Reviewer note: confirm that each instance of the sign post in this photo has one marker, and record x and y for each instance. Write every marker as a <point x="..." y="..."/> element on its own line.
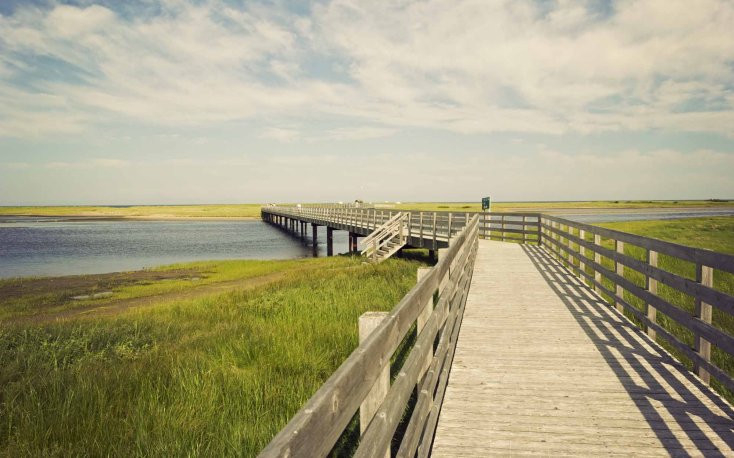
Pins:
<point x="486" y="204"/>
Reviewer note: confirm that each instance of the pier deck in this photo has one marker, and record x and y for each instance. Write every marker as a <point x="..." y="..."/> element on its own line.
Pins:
<point x="543" y="366"/>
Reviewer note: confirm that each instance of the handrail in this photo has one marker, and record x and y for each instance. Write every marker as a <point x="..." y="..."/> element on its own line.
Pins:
<point x="382" y="238"/>
<point x="315" y="429"/>
<point x="385" y="228"/>
<point x="580" y="247"/>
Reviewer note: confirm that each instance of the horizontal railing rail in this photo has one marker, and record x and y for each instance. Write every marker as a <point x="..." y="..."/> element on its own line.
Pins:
<point x="663" y="286"/>
<point x="433" y="308"/>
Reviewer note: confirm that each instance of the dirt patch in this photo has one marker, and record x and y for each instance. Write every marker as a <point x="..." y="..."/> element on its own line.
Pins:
<point x="85" y="284"/>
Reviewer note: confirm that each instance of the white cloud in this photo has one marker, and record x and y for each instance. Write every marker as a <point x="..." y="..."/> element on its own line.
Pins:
<point x="552" y="175"/>
<point x="501" y="66"/>
<point x="94" y="163"/>
<point x="466" y="66"/>
<point x="281" y="134"/>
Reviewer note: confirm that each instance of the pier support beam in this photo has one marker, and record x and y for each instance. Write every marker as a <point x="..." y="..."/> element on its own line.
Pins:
<point x="329" y="241"/>
<point x="353" y="242"/>
<point x="315" y="239"/>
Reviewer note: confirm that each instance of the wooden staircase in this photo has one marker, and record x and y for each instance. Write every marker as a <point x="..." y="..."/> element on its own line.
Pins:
<point x="386" y="240"/>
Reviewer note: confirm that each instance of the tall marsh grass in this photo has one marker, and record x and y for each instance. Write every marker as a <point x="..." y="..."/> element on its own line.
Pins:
<point x="217" y="376"/>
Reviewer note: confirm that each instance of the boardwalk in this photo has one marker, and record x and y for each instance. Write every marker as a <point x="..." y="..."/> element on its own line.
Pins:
<point x="542" y="366"/>
<point x="515" y="355"/>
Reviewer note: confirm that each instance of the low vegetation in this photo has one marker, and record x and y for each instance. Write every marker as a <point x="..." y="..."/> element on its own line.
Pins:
<point x="253" y="210"/>
<point x="210" y="376"/>
<point x="33" y="299"/>
<point x="558" y="206"/>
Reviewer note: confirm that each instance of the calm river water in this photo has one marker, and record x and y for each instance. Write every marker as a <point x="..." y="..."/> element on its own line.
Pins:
<point x="52" y="246"/>
<point x="58" y="246"/>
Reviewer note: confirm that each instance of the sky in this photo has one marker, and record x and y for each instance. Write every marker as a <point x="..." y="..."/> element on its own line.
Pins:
<point x="227" y="101"/>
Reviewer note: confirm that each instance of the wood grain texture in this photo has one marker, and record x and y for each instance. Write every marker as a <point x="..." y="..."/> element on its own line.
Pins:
<point x="544" y="367"/>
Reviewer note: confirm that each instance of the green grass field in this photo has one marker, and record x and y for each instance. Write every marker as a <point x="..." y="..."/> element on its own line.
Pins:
<point x="556" y="206"/>
<point x="212" y="376"/>
<point x="253" y="210"/>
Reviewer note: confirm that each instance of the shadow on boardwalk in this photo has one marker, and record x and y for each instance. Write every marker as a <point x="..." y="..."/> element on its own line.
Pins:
<point x="673" y="401"/>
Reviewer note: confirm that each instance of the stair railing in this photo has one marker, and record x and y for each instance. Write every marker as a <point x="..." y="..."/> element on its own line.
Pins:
<point x="384" y="234"/>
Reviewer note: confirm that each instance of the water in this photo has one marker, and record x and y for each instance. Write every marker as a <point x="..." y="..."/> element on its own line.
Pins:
<point x="32" y="246"/>
<point x="619" y="216"/>
<point x="67" y="246"/>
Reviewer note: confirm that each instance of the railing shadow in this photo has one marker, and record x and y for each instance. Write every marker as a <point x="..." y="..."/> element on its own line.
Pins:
<point x="679" y="413"/>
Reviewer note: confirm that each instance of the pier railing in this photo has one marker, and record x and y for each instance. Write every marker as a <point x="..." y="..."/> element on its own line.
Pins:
<point x="430" y="230"/>
<point x="432" y="310"/>
<point x="680" y="295"/>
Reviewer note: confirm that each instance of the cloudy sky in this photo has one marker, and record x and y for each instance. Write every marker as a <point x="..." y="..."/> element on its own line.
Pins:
<point x="205" y="101"/>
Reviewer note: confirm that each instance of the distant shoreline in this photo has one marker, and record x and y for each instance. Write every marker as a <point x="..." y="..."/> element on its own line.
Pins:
<point x="79" y="218"/>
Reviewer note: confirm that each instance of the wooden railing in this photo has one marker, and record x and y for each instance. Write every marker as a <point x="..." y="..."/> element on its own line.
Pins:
<point x="431" y="230"/>
<point x="379" y="239"/>
<point x="434" y="309"/>
<point x="666" y="288"/>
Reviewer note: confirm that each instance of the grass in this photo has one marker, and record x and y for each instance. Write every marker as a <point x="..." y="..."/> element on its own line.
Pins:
<point x="253" y="210"/>
<point x="713" y="233"/>
<point x="214" y="376"/>
<point x="556" y="206"/>
<point x="36" y="300"/>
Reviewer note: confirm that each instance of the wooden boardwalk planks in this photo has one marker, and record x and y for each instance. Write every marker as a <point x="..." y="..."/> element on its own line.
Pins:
<point x="543" y="367"/>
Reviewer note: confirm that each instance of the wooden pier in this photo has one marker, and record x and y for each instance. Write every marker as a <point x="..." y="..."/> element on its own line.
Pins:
<point x="548" y="346"/>
<point x="544" y="366"/>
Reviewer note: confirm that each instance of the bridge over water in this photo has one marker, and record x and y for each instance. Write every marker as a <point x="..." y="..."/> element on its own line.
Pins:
<point x="575" y="340"/>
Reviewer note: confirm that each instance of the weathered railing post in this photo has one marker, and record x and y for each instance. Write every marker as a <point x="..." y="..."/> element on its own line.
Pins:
<point x="401" y="235"/>
<point x="569" y="255"/>
<point x="652" y="287"/>
<point x="582" y="252"/>
<point x="449" y="228"/>
<point x="368" y="322"/>
<point x="410" y="225"/>
<point x="425" y="314"/>
<point x="540" y="230"/>
<point x="704" y="276"/>
<point x="597" y="260"/>
<point x="421" y="227"/>
<point x="619" y="269"/>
